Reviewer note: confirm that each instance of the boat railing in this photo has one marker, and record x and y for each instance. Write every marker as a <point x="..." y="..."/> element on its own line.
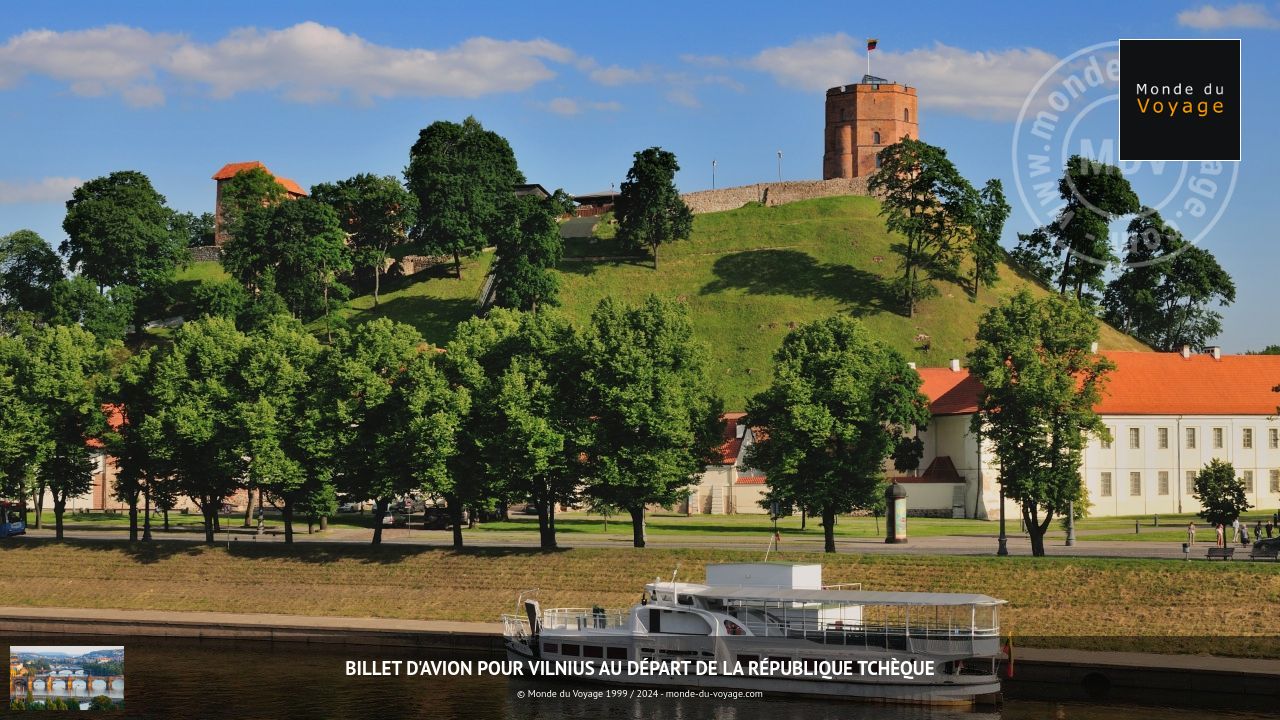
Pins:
<point x="843" y="586"/>
<point x="584" y="619"/>
<point x="878" y="635"/>
<point x="515" y="627"/>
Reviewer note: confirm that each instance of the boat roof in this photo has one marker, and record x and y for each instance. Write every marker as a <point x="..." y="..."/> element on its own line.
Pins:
<point x="844" y="597"/>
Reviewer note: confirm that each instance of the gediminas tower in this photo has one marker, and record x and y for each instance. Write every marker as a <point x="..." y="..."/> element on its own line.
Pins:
<point x="862" y="120"/>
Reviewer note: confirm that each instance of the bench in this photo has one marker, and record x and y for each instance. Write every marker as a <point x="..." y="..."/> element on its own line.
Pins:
<point x="1264" y="553"/>
<point x="1222" y="553"/>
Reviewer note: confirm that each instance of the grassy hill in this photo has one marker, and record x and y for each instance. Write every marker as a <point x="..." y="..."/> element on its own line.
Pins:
<point x="748" y="276"/>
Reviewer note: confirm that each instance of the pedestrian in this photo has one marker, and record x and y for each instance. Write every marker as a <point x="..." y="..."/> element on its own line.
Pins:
<point x="1270" y="527"/>
<point x="1257" y="531"/>
<point x="1235" y="531"/>
<point x="1221" y="532"/>
<point x="1244" y="534"/>
<point x="1191" y="534"/>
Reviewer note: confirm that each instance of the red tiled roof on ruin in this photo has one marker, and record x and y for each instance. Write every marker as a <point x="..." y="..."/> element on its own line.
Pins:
<point x="732" y="441"/>
<point x="750" y="480"/>
<point x="1146" y="383"/>
<point x="230" y="170"/>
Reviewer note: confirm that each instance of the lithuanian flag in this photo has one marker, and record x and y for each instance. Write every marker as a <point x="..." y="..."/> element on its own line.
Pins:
<point x="871" y="44"/>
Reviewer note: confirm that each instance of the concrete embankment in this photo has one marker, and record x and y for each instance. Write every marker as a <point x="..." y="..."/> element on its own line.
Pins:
<point x="1040" y="674"/>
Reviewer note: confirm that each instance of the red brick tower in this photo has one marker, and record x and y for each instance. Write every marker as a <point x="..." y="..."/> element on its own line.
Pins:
<point x="862" y="120"/>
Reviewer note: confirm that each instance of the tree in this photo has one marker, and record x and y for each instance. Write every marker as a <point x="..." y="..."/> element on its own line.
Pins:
<point x="529" y="246"/>
<point x="654" y="421"/>
<point x="376" y="213"/>
<point x="1164" y="294"/>
<point x="1268" y="350"/>
<point x="140" y="462"/>
<point x="195" y="419"/>
<point x="194" y="230"/>
<point x="841" y="403"/>
<point x="1040" y="383"/>
<point x="523" y="437"/>
<point x="64" y="374"/>
<point x="22" y="429"/>
<point x="988" y="226"/>
<point x="244" y="192"/>
<point x="462" y="175"/>
<point x="926" y="200"/>
<point x="294" y="250"/>
<point x="28" y="271"/>
<point x="1220" y="493"/>
<point x="649" y="209"/>
<point x="119" y="232"/>
<point x="77" y="301"/>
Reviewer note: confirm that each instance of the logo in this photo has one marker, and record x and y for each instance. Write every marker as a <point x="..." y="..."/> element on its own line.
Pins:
<point x="1073" y="110"/>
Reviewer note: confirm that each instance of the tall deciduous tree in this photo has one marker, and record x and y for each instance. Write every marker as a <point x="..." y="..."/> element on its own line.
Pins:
<point x="988" y="226"/>
<point x="649" y="209"/>
<point x="462" y="175"/>
<point x="195" y="230"/>
<point x="841" y="403"/>
<point x="245" y="192"/>
<point x="529" y="246"/>
<point x="376" y="213"/>
<point x="926" y="200"/>
<point x="1040" y="383"/>
<point x="654" y="421"/>
<point x="1221" y="494"/>
<point x="1166" y="293"/>
<point x="195" y="417"/>
<point x="140" y="461"/>
<point x="23" y="434"/>
<point x="119" y="232"/>
<point x="28" y="271"/>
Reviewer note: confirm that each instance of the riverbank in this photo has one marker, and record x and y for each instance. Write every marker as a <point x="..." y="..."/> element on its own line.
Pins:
<point x="1086" y="603"/>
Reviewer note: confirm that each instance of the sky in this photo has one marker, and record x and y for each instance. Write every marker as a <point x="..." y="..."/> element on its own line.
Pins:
<point x="323" y="91"/>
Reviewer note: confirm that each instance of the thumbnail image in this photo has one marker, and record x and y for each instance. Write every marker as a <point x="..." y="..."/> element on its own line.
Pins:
<point x="66" y="677"/>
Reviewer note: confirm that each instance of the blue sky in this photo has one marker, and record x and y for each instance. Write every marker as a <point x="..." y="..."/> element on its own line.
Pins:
<point x="320" y="92"/>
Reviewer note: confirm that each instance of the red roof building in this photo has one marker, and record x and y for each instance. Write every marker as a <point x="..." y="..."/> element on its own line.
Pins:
<point x="292" y="190"/>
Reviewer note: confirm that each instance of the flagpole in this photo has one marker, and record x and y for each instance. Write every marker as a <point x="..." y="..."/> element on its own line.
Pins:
<point x="868" y="61"/>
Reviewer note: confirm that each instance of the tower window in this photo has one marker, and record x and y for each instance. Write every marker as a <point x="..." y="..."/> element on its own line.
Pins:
<point x="876" y="137"/>
<point x="906" y="115"/>
<point x="879" y="161"/>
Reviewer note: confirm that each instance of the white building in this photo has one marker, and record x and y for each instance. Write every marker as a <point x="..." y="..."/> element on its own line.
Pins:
<point x="1169" y="414"/>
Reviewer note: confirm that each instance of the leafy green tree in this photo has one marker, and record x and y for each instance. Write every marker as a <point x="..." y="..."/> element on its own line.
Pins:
<point x="140" y="462"/>
<point x="317" y="502"/>
<point x="23" y="433"/>
<point x="119" y="232"/>
<point x="523" y="437"/>
<point x="1220" y="493"/>
<point x="64" y="375"/>
<point x="529" y="247"/>
<point x="462" y="176"/>
<point x="29" y="269"/>
<point x="841" y="403"/>
<point x="77" y="301"/>
<point x="244" y="192"/>
<point x="1040" y="383"/>
<point x="926" y="200"/>
<point x="376" y="213"/>
<point x="1268" y="350"/>
<point x="1165" y="293"/>
<point x="101" y="702"/>
<point x="195" y="419"/>
<point x="224" y="298"/>
<point x="294" y="250"/>
<point x="649" y="209"/>
<point x="195" y="230"/>
<point x="654" y="421"/>
<point x="988" y="226"/>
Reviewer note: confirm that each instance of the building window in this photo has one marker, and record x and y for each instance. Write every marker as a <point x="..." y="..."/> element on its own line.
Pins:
<point x="1191" y="481"/>
<point x="1246" y="438"/>
<point x="876" y="137"/>
<point x="1273" y="439"/>
<point x="1135" y="483"/>
<point x="1275" y="481"/>
<point x="1135" y="438"/>
<point x="1217" y="438"/>
<point x="1106" y="484"/>
<point x="1248" y="481"/>
<point x="906" y="115"/>
<point x="1162" y="482"/>
<point x="1162" y="438"/>
<point x="879" y="161"/>
<point x="1106" y="441"/>
<point x="1191" y="438"/>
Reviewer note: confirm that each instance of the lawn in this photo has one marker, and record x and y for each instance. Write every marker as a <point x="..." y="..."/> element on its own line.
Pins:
<point x="1083" y="602"/>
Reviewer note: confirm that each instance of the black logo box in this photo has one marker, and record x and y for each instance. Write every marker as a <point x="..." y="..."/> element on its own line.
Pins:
<point x="1180" y="65"/>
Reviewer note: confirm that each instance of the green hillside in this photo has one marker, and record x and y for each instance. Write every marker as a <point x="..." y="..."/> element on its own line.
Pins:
<point x="747" y="276"/>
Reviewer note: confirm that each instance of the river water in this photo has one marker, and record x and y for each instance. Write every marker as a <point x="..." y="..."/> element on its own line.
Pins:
<point x="251" y="680"/>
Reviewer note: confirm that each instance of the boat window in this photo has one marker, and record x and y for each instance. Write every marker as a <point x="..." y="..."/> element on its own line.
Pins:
<point x="569" y="649"/>
<point x="686" y="600"/>
<point x="615" y="653"/>
<point x="592" y="651"/>
<point x="744" y="659"/>
<point x="551" y="647"/>
<point x="733" y="628"/>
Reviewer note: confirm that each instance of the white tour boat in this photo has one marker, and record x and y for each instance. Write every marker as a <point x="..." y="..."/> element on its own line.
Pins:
<point x="775" y="627"/>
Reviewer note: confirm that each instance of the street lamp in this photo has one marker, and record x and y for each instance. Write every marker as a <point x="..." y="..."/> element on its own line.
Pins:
<point x="713" y="174"/>
<point x="779" y="166"/>
<point x="1004" y="539"/>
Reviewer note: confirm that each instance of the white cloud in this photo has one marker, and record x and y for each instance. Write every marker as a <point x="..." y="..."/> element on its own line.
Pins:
<point x="1244" y="15"/>
<point x="615" y="75"/>
<point x="705" y="60"/>
<point x="307" y="62"/>
<point x="44" y="190"/>
<point x="989" y="85"/>
<point x="569" y="106"/>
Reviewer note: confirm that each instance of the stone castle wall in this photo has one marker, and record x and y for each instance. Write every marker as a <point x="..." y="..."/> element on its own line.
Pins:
<point x="773" y="193"/>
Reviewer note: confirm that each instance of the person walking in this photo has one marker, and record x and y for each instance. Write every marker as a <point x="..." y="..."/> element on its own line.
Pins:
<point x="1191" y="534"/>
<point x="1257" y="531"/>
<point x="1221" y="533"/>
<point x="1244" y="534"/>
<point x="1235" y="531"/>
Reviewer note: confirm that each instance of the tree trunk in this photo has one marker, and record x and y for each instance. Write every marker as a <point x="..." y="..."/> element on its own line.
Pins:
<point x="39" y="503"/>
<point x="133" y="517"/>
<point x="637" y="525"/>
<point x="655" y="256"/>
<point x="248" y="507"/>
<point x="166" y="519"/>
<point x="377" y="277"/>
<point x="209" y="514"/>
<point x="803" y="516"/>
<point x="457" y="264"/>
<point x="286" y="513"/>
<point x="829" y="529"/>
<point x="379" y="512"/>
<point x="324" y="523"/>
<point x="546" y="525"/>
<point x="455" y="518"/>
<point x="1036" y="530"/>
<point x="59" y="506"/>
<point x="146" y="518"/>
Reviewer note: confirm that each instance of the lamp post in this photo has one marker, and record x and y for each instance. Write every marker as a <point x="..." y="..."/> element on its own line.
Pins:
<point x="1071" y="523"/>
<point x="779" y="166"/>
<point x="1003" y="549"/>
<point x="713" y="174"/>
